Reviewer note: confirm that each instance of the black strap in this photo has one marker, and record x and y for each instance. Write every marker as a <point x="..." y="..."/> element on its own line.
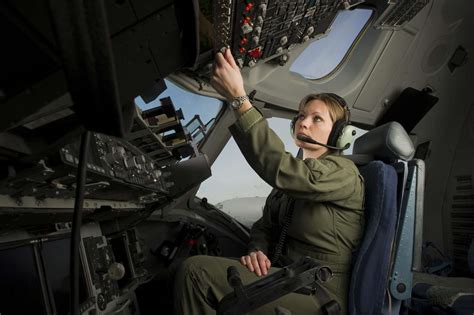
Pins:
<point x="329" y="306"/>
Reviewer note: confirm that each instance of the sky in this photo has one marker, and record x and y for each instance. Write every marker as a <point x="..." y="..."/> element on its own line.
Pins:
<point x="234" y="178"/>
<point x="333" y="47"/>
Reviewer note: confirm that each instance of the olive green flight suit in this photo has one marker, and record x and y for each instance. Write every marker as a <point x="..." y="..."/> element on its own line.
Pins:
<point x="327" y="222"/>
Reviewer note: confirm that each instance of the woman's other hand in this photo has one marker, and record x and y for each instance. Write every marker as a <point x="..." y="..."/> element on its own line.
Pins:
<point x="226" y="77"/>
<point x="256" y="262"/>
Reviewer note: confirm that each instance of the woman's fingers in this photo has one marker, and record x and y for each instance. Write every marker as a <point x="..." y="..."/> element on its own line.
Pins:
<point x="262" y="262"/>
<point x="230" y="59"/>
<point x="269" y="263"/>
<point x="256" y="262"/>
<point x="256" y="266"/>
<point x="220" y="60"/>
<point x="226" y="77"/>
<point x="248" y="263"/>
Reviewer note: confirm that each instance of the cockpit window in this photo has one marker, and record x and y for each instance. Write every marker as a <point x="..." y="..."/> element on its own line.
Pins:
<point x="323" y="56"/>
<point x="198" y="112"/>
<point x="235" y="188"/>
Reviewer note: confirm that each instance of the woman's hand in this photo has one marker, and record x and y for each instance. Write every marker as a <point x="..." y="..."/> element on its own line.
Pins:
<point x="256" y="262"/>
<point x="226" y="77"/>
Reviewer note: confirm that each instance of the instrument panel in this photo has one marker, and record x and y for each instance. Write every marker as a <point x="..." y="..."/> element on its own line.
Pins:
<point x="139" y="168"/>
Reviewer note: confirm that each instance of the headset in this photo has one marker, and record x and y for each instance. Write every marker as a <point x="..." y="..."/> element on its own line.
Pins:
<point x="342" y="132"/>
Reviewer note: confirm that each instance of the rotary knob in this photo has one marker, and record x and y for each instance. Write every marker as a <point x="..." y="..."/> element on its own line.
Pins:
<point x="255" y="40"/>
<point x="157" y="174"/>
<point x="263" y="9"/>
<point x="116" y="271"/>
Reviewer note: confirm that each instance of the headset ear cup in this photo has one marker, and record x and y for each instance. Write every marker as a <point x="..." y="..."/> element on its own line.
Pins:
<point x="346" y="138"/>
<point x="336" y="132"/>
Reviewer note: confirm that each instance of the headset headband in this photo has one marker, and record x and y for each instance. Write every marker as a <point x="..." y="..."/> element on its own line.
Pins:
<point x="341" y="102"/>
<point x="338" y="99"/>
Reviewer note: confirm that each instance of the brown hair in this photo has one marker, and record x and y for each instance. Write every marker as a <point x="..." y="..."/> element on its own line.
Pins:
<point x="336" y="110"/>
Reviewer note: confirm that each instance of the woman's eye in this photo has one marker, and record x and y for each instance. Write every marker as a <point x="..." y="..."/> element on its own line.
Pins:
<point x="300" y="116"/>
<point x="317" y="118"/>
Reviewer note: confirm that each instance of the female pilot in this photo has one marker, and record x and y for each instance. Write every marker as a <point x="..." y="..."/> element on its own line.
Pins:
<point x="317" y="202"/>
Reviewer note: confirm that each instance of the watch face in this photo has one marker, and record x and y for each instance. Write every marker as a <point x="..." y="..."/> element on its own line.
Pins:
<point x="235" y="103"/>
<point x="238" y="101"/>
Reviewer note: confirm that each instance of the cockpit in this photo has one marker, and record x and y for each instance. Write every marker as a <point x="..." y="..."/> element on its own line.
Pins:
<point x="135" y="76"/>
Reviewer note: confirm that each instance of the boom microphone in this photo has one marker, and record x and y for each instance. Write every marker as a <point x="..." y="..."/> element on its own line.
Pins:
<point x="312" y="141"/>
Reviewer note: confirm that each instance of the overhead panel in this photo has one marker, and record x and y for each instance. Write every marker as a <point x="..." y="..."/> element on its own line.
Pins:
<point x="386" y="67"/>
<point x="262" y="29"/>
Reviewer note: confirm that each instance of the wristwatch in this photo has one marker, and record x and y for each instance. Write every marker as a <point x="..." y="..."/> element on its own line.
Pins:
<point x="237" y="101"/>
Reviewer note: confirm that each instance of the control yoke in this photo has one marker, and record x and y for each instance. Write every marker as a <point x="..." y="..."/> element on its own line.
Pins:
<point x="303" y="276"/>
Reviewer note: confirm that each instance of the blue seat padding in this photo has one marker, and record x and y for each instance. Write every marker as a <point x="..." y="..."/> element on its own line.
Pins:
<point x="372" y="263"/>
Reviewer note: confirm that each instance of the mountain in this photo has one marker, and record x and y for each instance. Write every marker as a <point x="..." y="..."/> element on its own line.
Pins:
<point x="245" y="210"/>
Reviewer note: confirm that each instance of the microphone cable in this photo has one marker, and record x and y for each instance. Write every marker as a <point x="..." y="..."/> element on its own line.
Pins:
<point x="284" y="231"/>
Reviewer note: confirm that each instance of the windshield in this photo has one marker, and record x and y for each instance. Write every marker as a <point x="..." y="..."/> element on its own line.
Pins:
<point x="322" y="57"/>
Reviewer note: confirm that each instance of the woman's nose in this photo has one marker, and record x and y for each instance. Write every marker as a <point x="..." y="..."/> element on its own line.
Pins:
<point x="305" y="123"/>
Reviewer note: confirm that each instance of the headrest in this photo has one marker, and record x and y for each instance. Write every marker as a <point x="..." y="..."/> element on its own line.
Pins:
<point x="386" y="142"/>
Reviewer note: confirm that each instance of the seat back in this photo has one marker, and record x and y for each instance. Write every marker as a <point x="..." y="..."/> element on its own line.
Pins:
<point x="372" y="265"/>
<point x="382" y="155"/>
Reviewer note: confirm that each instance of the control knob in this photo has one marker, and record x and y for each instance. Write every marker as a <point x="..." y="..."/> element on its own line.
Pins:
<point x="263" y="9"/>
<point x="116" y="271"/>
<point x="255" y="40"/>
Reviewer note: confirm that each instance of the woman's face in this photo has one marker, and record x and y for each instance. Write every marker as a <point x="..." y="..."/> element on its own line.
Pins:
<point x="315" y="122"/>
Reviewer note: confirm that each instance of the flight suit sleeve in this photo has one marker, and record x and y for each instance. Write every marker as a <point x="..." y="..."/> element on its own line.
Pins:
<point x="260" y="236"/>
<point x="324" y="179"/>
